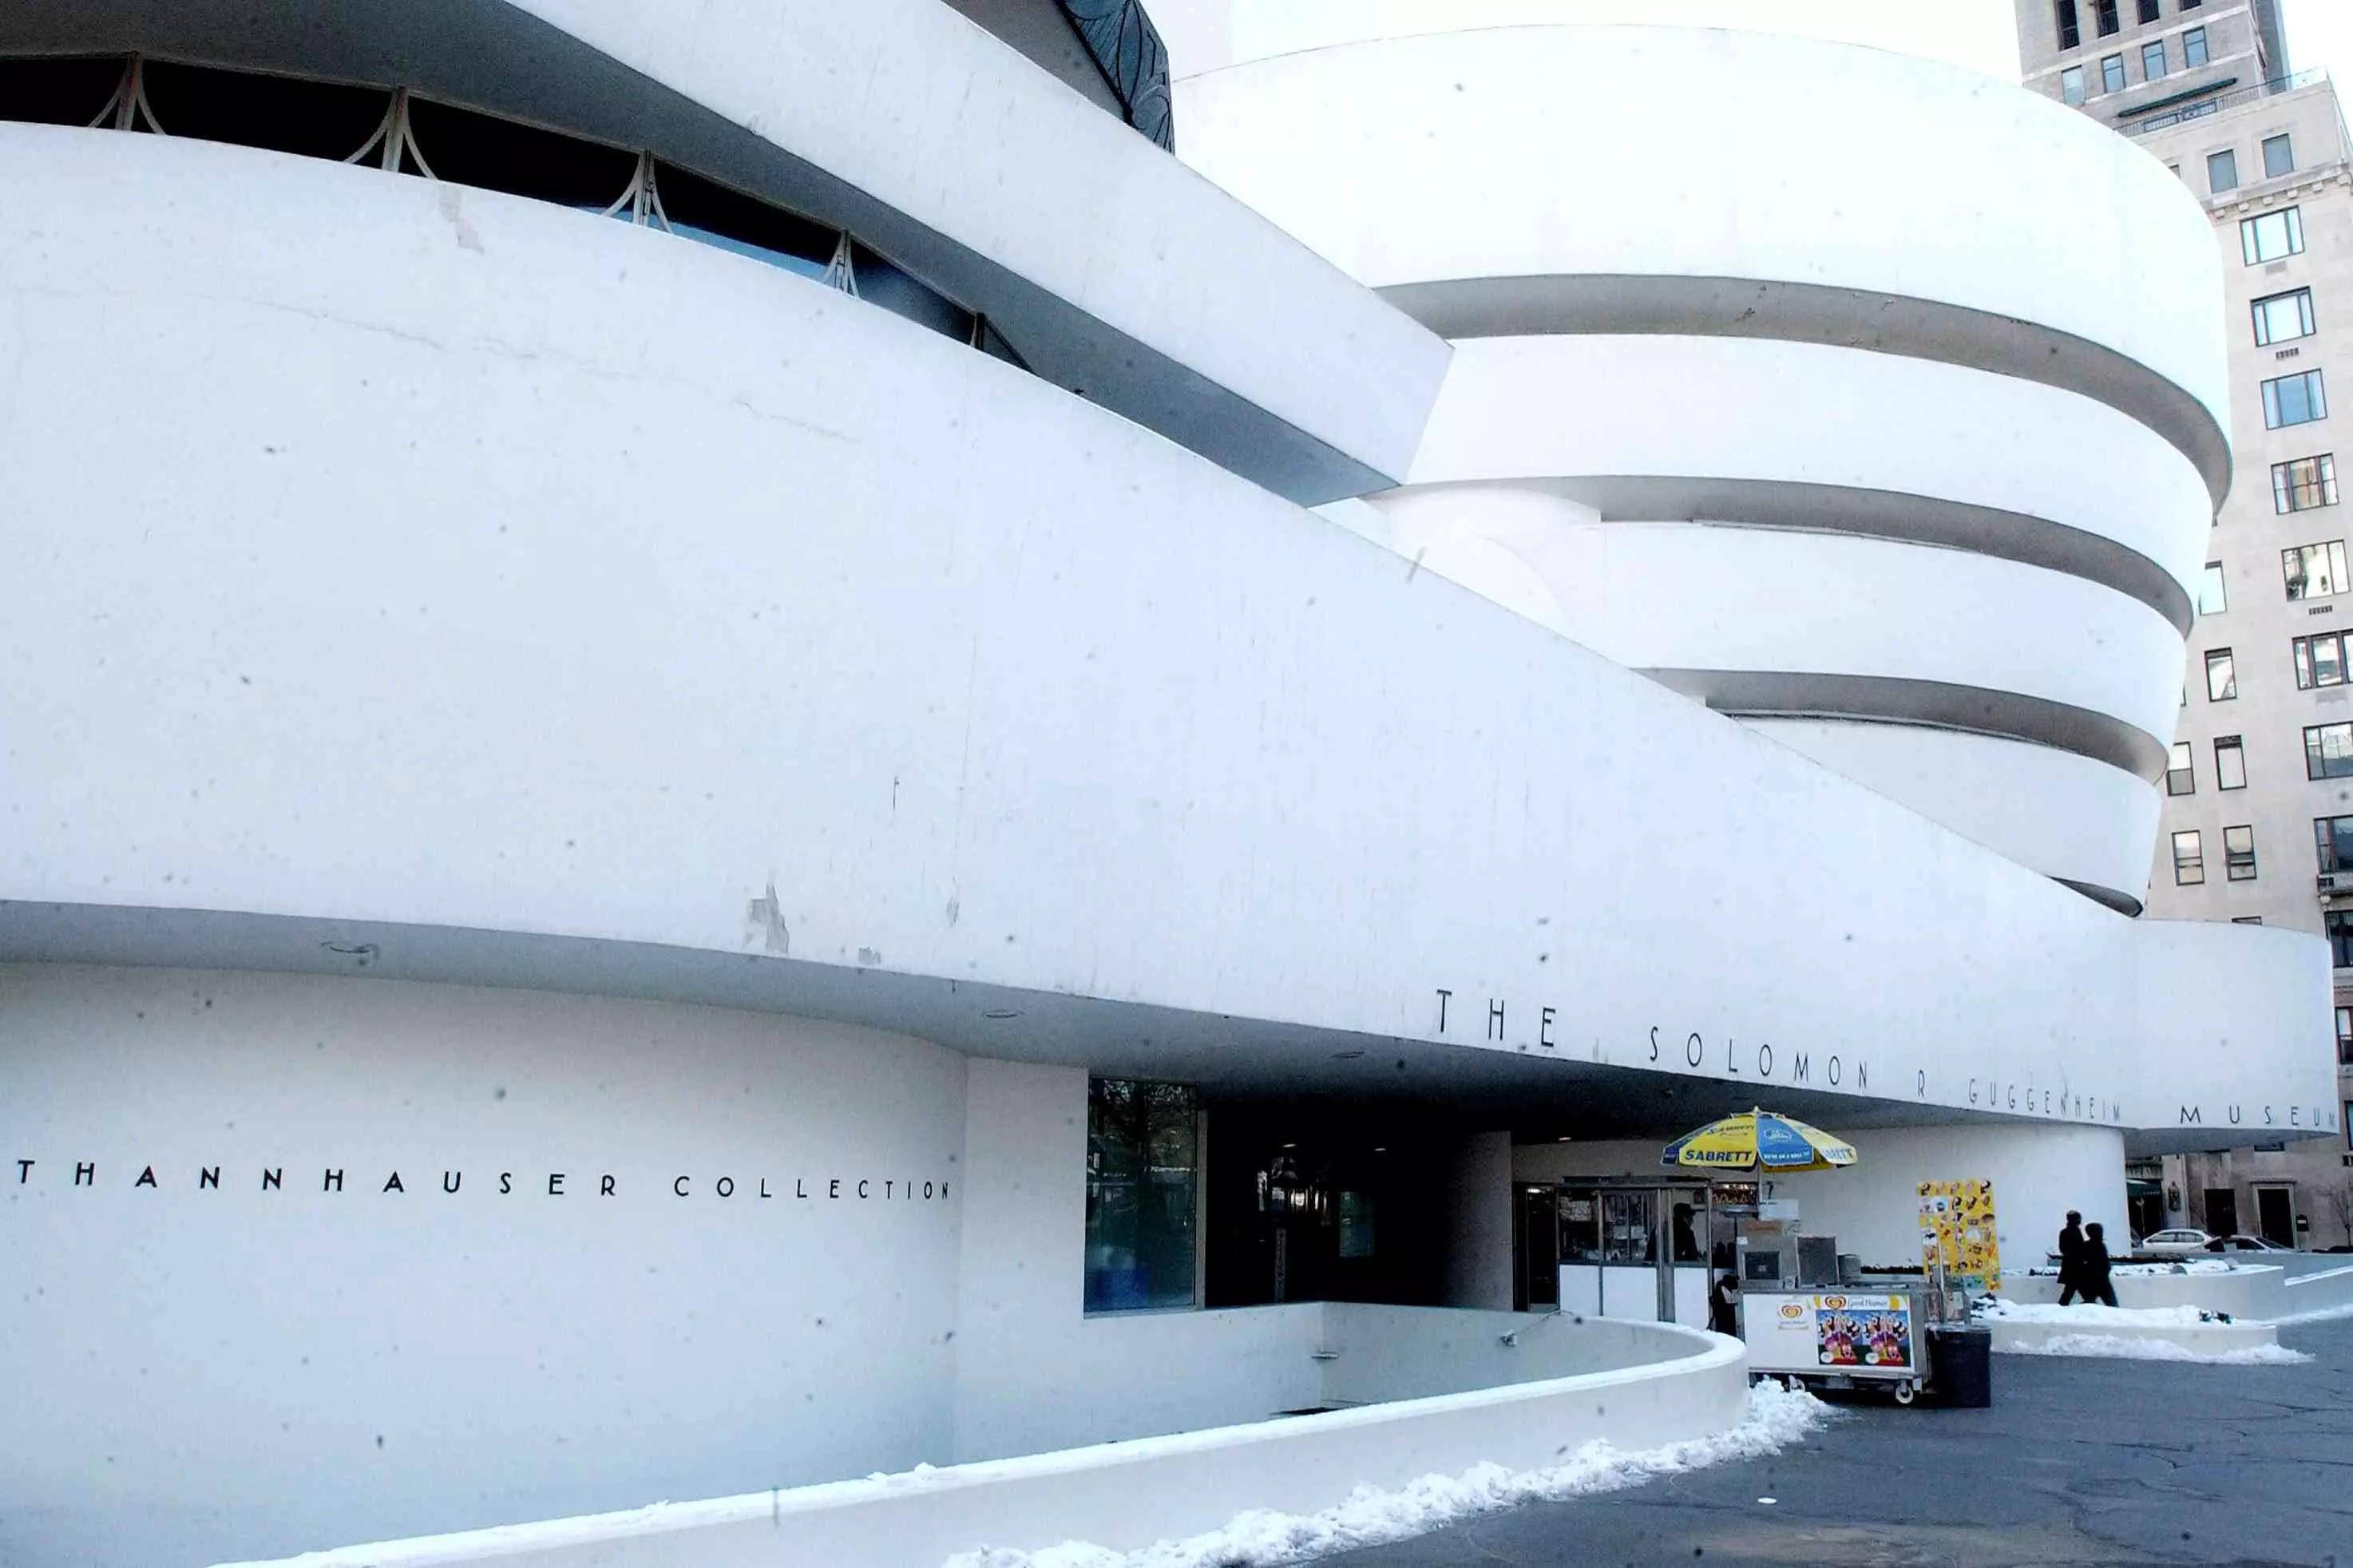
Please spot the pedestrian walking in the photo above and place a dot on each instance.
(2092, 1273)
(2070, 1258)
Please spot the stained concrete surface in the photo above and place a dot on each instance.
(2079, 1463)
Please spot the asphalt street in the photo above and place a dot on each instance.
(2083, 1463)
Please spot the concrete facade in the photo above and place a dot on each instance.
(770, 634)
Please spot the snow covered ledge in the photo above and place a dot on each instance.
(1125, 1496)
(2156, 1334)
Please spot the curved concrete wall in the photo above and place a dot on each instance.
(720, 531)
(1769, 620)
(1111, 267)
(626, 1296)
(1436, 167)
(1125, 1497)
(1972, 475)
(1813, 436)
(2067, 816)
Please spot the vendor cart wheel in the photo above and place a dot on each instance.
(1905, 1391)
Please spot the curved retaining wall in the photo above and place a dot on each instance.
(1126, 1496)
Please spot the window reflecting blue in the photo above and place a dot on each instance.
(807, 266)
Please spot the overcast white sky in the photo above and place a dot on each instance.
(1979, 34)
(2320, 33)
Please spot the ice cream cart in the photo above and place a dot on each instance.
(1847, 1336)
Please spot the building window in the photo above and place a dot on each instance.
(2314, 571)
(2332, 842)
(2103, 16)
(2229, 762)
(2239, 854)
(2071, 85)
(2345, 1059)
(2283, 317)
(2294, 400)
(2279, 156)
(2305, 483)
(2222, 675)
(1143, 1171)
(2152, 60)
(2328, 751)
(2112, 73)
(2180, 773)
(2337, 924)
(2272, 235)
(2189, 861)
(2149, 10)
(2320, 660)
(2211, 599)
(2071, 31)
(2222, 171)
(2193, 47)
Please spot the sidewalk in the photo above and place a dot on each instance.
(2080, 1463)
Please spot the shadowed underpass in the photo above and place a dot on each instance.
(2085, 1463)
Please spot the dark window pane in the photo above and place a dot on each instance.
(70, 91)
(2332, 842)
(311, 118)
(702, 209)
(1142, 1155)
(882, 283)
(2329, 751)
(2340, 927)
(470, 149)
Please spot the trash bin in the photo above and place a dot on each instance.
(1960, 1363)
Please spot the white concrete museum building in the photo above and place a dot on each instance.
(740, 747)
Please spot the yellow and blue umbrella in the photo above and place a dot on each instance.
(1758, 1140)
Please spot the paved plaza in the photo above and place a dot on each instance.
(2080, 1462)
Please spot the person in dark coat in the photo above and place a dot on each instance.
(2070, 1258)
(1723, 1305)
(2092, 1273)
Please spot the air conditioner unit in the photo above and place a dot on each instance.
(2336, 882)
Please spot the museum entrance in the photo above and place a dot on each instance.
(1312, 1205)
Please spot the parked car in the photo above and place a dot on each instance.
(2245, 1244)
(2178, 1241)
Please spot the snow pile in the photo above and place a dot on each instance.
(2180, 1265)
(2158, 1349)
(1260, 1538)
(2092, 1316)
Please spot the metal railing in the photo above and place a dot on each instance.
(2221, 102)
